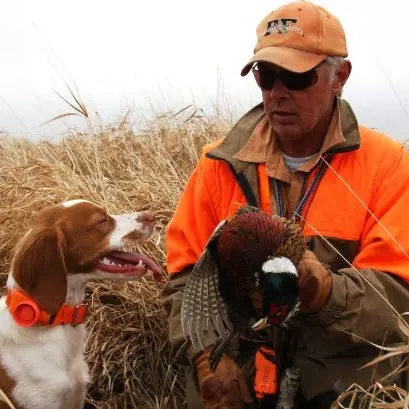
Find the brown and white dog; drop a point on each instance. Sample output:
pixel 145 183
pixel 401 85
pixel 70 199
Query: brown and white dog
pixel 41 319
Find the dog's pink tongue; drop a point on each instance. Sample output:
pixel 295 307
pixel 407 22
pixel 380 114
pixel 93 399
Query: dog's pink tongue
pixel 135 258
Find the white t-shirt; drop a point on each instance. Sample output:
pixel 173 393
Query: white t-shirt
pixel 294 163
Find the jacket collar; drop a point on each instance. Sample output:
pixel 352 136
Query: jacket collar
pixel 240 134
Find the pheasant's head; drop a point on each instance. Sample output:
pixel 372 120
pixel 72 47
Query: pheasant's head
pixel 257 256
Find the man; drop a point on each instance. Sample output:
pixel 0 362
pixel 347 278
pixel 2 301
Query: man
pixel 302 154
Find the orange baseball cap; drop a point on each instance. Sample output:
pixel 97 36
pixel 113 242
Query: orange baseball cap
pixel 297 37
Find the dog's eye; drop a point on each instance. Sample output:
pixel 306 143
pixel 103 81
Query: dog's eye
pixel 103 220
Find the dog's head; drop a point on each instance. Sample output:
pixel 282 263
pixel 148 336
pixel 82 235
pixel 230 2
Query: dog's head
pixel 79 237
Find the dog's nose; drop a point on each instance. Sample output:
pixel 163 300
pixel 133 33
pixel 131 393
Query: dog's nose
pixel 146 217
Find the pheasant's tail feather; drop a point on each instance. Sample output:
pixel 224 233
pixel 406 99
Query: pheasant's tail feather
pixel 194 282
pixel 204 314
pixel 218 310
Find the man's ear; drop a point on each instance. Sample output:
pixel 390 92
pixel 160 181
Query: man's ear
pixel 39 267
pixel 342 75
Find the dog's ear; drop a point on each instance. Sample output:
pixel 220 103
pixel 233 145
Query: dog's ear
pixel 39 267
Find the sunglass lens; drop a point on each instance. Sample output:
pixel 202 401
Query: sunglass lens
pixel 296 82
pixel 293 81
pixel 265 79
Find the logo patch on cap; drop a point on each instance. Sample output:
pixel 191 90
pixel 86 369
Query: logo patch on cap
pixel 282 26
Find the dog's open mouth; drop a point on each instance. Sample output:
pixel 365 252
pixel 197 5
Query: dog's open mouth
pixel 132 264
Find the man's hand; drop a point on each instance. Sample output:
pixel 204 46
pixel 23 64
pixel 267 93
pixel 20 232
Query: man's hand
pixel 315 283
pixel 226 388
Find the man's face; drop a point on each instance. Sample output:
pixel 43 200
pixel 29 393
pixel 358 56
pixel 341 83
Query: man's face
pixel 294 113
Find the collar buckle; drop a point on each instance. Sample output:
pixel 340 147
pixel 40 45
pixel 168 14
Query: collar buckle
pixel 80 312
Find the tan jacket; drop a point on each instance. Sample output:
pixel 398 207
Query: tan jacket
pixel 364 164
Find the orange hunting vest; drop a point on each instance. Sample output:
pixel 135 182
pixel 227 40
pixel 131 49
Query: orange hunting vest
pixel 374 177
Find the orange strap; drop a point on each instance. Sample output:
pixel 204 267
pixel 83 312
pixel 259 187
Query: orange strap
pixel 265 381
pixel 26 312
pixel 264 188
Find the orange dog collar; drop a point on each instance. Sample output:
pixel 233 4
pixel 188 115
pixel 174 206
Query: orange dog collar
pixel 26 312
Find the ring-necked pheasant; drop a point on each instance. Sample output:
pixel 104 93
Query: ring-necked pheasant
pixel 248 266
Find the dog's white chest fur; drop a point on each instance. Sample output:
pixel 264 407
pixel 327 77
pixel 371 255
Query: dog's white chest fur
pixel 47 364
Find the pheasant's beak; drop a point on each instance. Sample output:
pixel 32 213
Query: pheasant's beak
pixel 260 324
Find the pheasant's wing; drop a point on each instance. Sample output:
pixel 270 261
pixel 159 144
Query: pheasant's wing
pixel 204 313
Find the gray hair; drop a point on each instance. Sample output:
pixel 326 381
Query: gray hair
pixel 333 64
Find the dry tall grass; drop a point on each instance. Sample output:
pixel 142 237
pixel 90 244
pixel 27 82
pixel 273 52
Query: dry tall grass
pixel 127 348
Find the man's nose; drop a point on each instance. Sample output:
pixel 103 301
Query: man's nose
pixel 279 90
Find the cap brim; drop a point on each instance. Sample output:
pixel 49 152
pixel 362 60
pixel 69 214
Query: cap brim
pixel 290 59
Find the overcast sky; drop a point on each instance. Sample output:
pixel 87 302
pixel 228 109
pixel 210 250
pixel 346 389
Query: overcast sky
pixel 151 56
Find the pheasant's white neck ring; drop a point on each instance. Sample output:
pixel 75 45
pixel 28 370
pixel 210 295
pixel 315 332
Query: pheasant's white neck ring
pixel 279 265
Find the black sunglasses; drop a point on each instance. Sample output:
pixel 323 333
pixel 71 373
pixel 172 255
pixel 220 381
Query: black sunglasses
pixel 266 77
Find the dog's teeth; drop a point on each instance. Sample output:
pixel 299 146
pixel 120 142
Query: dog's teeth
pixel 109 262
pixel 140 264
